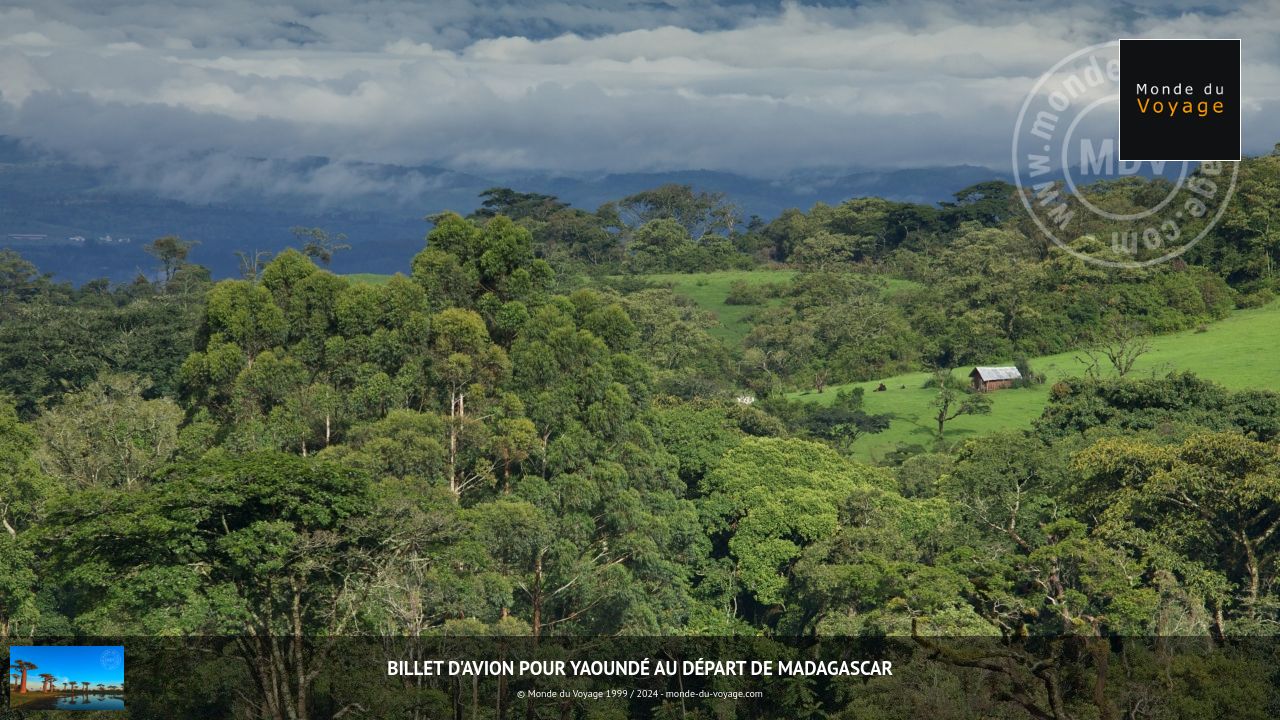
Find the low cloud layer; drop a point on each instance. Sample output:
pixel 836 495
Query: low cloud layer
pixel 754 88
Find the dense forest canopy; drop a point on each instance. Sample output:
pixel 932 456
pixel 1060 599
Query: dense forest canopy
pixel 526 434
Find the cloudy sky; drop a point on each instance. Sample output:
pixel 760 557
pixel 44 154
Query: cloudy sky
pixel 760 88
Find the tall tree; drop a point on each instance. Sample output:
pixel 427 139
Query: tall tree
pixel 517 205
pixel 698 212
pixel 769 498
pixel 467 364
pixel 24 491
pixel 23 667
pixel 171 251
pixel 268 548
pixel 318 244
pixel 1214 500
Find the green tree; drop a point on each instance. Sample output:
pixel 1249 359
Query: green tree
pixel 769 498
pixel 517 205
pixel 246 314
pixel 655 245
pixel 108 435
pixel 318 244
pixel 879 572
pixel 171 251
pixel 697 212
pixel 269 548
pixel 844 421
pixel 23 493
pixel 1179 400
pixel 465 265
pixel 466 363
pixel 953 400
pixel 1211 502
pixel 19 279
pixel 1038 576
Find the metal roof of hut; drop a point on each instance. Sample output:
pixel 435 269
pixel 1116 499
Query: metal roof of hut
pixel 996 373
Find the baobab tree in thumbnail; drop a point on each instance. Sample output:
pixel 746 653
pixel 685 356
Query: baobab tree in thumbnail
pixel 22 666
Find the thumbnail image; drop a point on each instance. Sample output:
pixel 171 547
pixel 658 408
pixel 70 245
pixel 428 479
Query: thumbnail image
pixel 66 677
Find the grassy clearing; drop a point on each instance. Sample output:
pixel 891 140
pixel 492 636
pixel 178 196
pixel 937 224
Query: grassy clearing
pixel 709 290
pixel 1238 352
pixel 369 278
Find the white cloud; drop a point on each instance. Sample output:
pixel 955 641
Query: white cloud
pixel 754 88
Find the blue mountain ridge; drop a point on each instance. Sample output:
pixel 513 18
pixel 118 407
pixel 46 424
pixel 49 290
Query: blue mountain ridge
pixel 380 207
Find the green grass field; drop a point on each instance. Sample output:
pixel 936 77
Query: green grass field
pixel 369 278
pixel 709 290
pixel 1238 352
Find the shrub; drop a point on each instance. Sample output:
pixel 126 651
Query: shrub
pixel 743 293
pixel 1030 378
pixel 1255 299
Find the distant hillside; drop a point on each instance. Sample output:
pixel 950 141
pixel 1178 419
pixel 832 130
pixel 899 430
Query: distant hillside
pixel 1227 352
pixel 231 204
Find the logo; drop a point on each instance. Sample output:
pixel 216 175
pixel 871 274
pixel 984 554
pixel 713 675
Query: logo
pixel 1180 99
pixel 1086 200
pixel 111 658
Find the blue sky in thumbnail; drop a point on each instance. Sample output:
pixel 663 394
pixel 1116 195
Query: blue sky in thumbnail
pixel 91 663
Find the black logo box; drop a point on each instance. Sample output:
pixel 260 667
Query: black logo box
pixel 1187 64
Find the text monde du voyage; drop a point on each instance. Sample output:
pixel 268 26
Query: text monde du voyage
pixel 1175 100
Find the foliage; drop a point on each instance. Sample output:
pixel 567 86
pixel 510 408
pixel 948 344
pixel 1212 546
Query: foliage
pixel 951 401
pixel 171 251
pixel 318 244
pixel 23 493
pixel 497 444
pixel 769 498
pixel 1159 403
pixel 109 435
pixel 58 339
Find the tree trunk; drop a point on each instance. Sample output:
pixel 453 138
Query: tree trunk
pixel 1219 631
pixel 1251 566
pixel 536 596
pixel 300 711
pixel 457 699
pixel 457 411
pixel 1100 648
pixel 502 697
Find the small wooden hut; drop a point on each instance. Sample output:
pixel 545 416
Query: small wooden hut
pixel 986 379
